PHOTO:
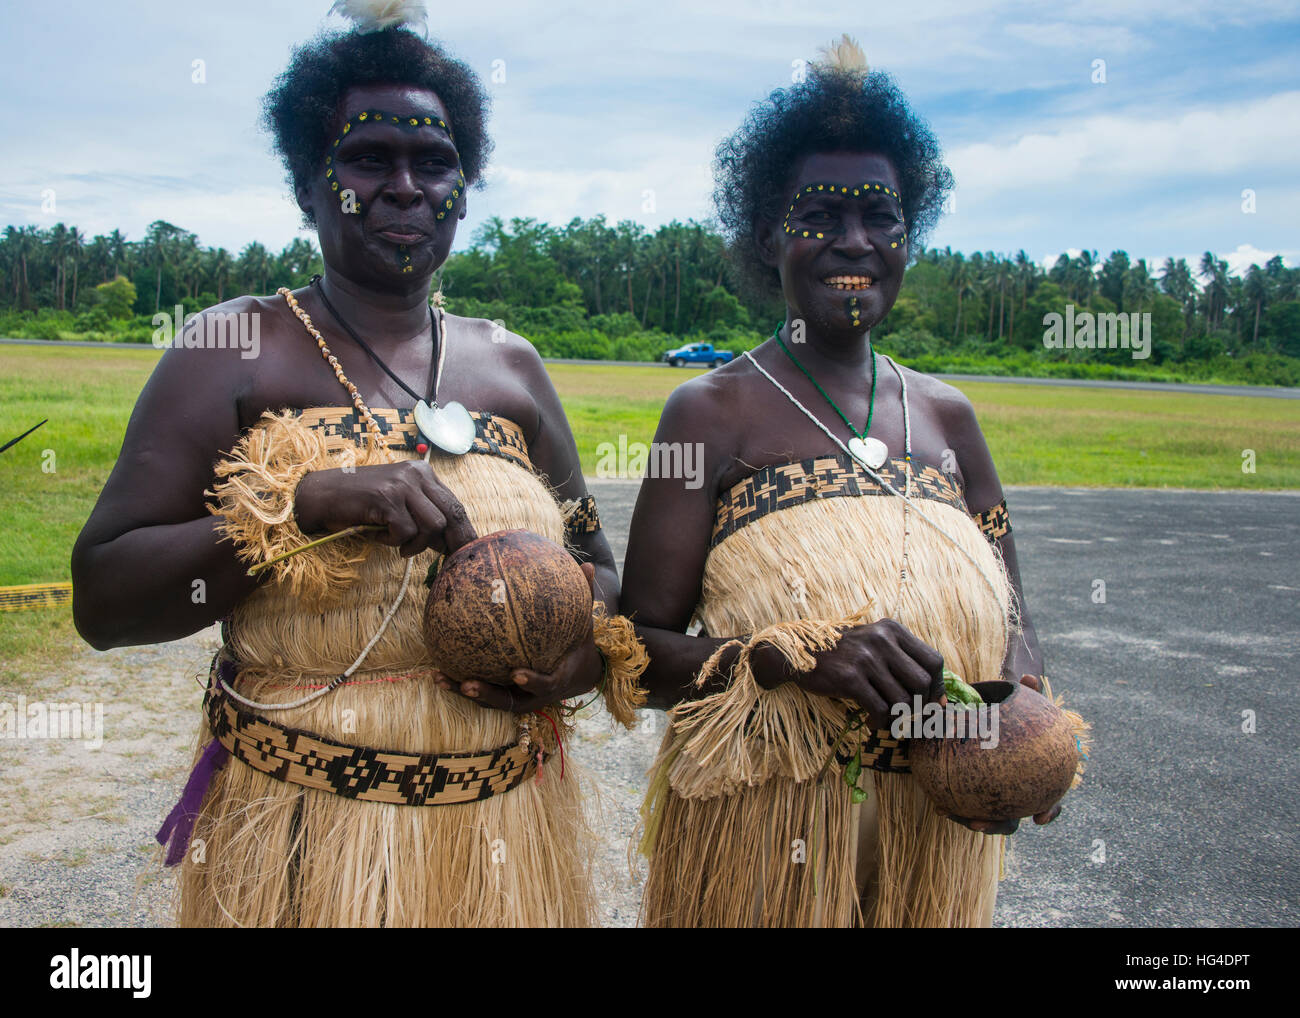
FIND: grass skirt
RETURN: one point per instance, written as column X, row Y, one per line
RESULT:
column 740, row 829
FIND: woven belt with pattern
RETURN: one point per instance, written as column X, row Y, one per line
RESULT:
column 358, row 772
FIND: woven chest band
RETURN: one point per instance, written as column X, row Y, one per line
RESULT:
column 493, row 435
column 789, row 484
column 357, row 772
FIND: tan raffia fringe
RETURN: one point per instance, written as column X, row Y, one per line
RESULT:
column 744, row 735
column 932, row 872
column 269, row 853
column 786, row 846
column 255, row 499
column 626, row 659
column 712, row 837
column 362, row 773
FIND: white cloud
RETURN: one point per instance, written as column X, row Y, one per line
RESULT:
column 1248, row 254
column 1246, row 138
column 1104, row 40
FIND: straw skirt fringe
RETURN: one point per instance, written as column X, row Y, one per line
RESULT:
column 740, row 831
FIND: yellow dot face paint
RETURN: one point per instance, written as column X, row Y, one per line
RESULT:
column 406, row 122
column 885, row 222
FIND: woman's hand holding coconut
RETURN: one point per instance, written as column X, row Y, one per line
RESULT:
column 875, row 666
column 878, row 666
column 991, row 827
column 406, row 498
column 525, row 691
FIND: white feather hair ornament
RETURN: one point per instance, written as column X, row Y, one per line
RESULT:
column 376, row 15
column 845, row 55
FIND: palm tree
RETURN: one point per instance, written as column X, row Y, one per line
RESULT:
column 76, row 242
column 159, row 245
column 189, row 262
column 1139, row 287
column 118, row 251
column 28, row 243
column 961, row 276
column 57, row 248
column 1255, row 290
column 1215, row 295
column 255, row 265
column 1085, row 269
column 219, row 264
column 1177, row 282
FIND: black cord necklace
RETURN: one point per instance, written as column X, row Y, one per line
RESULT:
column 433, row 327
column 450, row 427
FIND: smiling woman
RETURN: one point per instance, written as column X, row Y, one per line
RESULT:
column 833, row 572
column 340, row 779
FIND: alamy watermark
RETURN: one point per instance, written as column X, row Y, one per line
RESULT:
column 77, row 971
column 675, row 460
column 40, row 720
column 920, row 720
column 1088, row 330
column 216, row 330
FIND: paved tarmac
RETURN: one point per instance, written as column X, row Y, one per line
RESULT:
column 1185, row 817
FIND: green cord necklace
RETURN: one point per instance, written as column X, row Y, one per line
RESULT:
column 870, row 451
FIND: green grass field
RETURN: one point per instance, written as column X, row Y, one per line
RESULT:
column 1038, row 434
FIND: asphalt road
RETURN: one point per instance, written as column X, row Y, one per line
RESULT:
column 1184, row 819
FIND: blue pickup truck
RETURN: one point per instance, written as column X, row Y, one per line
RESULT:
column 697, row 353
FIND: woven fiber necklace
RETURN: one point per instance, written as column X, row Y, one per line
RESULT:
column 870, row 451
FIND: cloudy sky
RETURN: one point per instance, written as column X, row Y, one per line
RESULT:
column 1104, row 124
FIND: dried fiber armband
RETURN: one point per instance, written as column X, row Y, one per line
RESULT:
column 625, row 660
column 254, row 492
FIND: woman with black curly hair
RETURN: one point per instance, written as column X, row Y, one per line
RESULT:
column 340, row 781
column 850, row 542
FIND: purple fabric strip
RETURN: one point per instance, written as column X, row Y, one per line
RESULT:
column 179, row 825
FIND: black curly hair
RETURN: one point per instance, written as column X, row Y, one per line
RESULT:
column 830, row 110
column 300, row 109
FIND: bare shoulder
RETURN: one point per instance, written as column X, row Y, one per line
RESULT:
column 714, row 401
column 238, row 330
column 494, row 343
column 481, row 330
column 940, row 401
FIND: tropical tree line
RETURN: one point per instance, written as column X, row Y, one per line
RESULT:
column 595, row 290
column 60, row 268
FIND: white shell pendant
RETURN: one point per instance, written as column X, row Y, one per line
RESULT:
column 871, row 451
column 449, row 427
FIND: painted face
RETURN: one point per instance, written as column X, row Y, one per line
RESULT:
column 842, row 247
column 390, row 190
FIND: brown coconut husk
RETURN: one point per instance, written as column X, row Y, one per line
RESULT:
column 737, row 779
column 278, row 854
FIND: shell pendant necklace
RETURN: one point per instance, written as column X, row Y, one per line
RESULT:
column 450, row 427
column 870, row 451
